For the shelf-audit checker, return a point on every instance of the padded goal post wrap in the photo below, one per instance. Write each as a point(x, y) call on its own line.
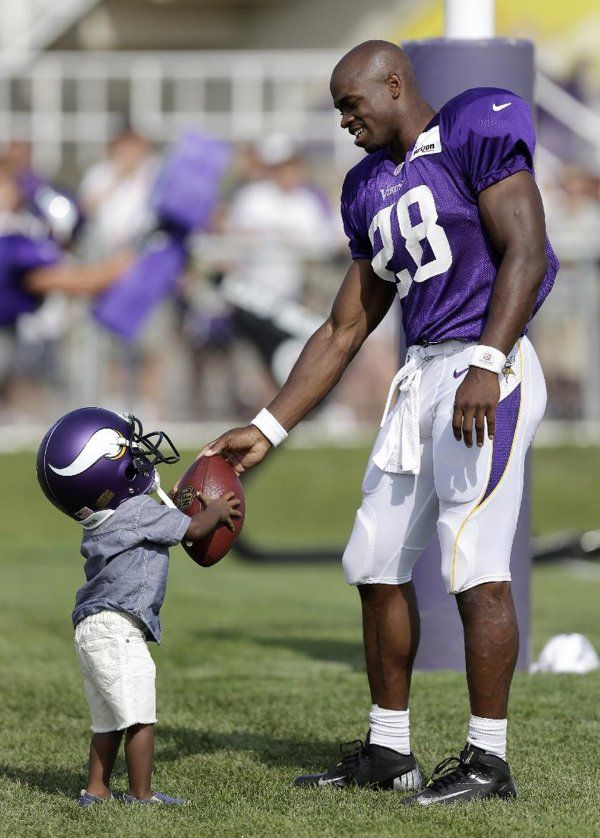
point(443, 69)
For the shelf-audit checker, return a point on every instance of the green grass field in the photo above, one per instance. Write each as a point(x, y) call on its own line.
point(260, 676)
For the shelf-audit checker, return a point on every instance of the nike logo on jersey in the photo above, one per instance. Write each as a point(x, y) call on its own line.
point(496, 107)
point(458, 373)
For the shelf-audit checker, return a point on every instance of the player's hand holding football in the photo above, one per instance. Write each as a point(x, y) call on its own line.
point(243, 447)
point(476, 400)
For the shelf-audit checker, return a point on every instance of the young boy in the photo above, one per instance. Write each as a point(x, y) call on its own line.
point(98, 467)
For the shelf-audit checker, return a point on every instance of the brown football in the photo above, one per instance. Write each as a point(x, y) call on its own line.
point(213, 476)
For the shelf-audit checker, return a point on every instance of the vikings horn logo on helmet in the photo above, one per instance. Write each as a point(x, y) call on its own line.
point(106, 442)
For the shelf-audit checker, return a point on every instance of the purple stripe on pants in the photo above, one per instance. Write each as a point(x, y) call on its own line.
point(507, 414)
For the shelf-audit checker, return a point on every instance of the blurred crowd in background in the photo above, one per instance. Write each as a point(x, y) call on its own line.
point(177, 274)
point(220, 327)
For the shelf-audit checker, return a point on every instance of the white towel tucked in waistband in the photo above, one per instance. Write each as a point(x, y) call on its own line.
point(400, 452)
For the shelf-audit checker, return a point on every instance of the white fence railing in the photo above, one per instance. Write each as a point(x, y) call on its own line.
point(74, 102)
point(67, 101)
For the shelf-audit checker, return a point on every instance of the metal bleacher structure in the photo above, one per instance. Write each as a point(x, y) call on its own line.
point(69, 104)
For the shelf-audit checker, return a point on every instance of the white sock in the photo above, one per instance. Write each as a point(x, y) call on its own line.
point(488, 734)
point(390, 728)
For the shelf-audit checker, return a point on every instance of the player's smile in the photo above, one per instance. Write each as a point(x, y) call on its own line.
point(356, 125)
point(360, 119)
point(350, 105)
point(357, 131)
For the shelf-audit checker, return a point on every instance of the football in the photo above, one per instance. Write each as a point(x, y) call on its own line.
point(213, 476)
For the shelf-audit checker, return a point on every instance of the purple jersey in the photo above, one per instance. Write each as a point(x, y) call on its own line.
point(418, 222)
point(20, 254)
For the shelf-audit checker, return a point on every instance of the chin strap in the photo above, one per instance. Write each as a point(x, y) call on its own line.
point(160, 492)
point(96, 518)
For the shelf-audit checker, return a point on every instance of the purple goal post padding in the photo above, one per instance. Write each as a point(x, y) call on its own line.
point(443, 69)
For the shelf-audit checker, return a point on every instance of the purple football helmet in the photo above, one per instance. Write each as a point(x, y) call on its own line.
point(92, 460)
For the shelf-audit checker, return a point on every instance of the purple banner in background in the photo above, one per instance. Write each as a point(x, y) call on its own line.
point(125, 306)
point(189, 184)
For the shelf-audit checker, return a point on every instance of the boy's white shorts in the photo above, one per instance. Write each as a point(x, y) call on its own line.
point(472, 494)
point(118, 671)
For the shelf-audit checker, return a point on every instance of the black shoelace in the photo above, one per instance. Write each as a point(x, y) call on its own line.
point(352, 752)
point(450, 770)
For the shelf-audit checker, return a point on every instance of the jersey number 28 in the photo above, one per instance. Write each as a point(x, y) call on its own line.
point(426, 229)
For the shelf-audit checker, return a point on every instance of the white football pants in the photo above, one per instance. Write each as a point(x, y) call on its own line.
point(474, 494)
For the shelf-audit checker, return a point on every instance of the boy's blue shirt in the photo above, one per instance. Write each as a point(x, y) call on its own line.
point(127, 562)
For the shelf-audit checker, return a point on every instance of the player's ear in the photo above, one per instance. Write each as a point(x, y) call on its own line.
point(394, 85)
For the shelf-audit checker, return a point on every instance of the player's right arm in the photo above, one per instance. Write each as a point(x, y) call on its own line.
point(360, 305)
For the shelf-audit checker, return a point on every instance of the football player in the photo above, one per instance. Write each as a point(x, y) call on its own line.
point(445, 213)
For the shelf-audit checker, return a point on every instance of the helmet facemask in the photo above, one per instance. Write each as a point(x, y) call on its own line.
point(145, 448)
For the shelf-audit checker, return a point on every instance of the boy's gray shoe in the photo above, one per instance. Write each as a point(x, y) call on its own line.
point(87, 799)
point(157, 797)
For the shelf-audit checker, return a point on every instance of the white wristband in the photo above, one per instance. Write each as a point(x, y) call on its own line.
point(488, 358)
point(270, 427)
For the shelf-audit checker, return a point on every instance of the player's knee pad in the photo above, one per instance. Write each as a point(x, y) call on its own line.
point(357, 560)
point(474, 550)
point(372, 555)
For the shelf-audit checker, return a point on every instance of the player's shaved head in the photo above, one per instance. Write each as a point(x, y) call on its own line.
point(374, 88)
point(373, 61)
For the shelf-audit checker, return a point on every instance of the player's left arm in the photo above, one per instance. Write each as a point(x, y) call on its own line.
point(73, 279)
point(513, 216)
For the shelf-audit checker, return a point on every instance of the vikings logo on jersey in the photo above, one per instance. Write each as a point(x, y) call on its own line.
point(418, 222)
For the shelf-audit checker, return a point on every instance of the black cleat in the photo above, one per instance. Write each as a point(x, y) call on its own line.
point(368, 765)
point(474, 774)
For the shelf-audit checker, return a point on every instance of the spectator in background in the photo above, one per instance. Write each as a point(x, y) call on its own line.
point(116, 197)
point(56, 207)
point(32, 266)
point(580, 197)
point(573, 218)
point(281, 223)
point(247, 166)
point(115, 194)
point(17, 155)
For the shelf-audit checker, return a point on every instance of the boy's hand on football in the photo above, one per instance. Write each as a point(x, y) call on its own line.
point(226, 507)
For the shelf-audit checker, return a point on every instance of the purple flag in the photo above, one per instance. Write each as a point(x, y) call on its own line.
point(189, 185)
point(125, 306)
